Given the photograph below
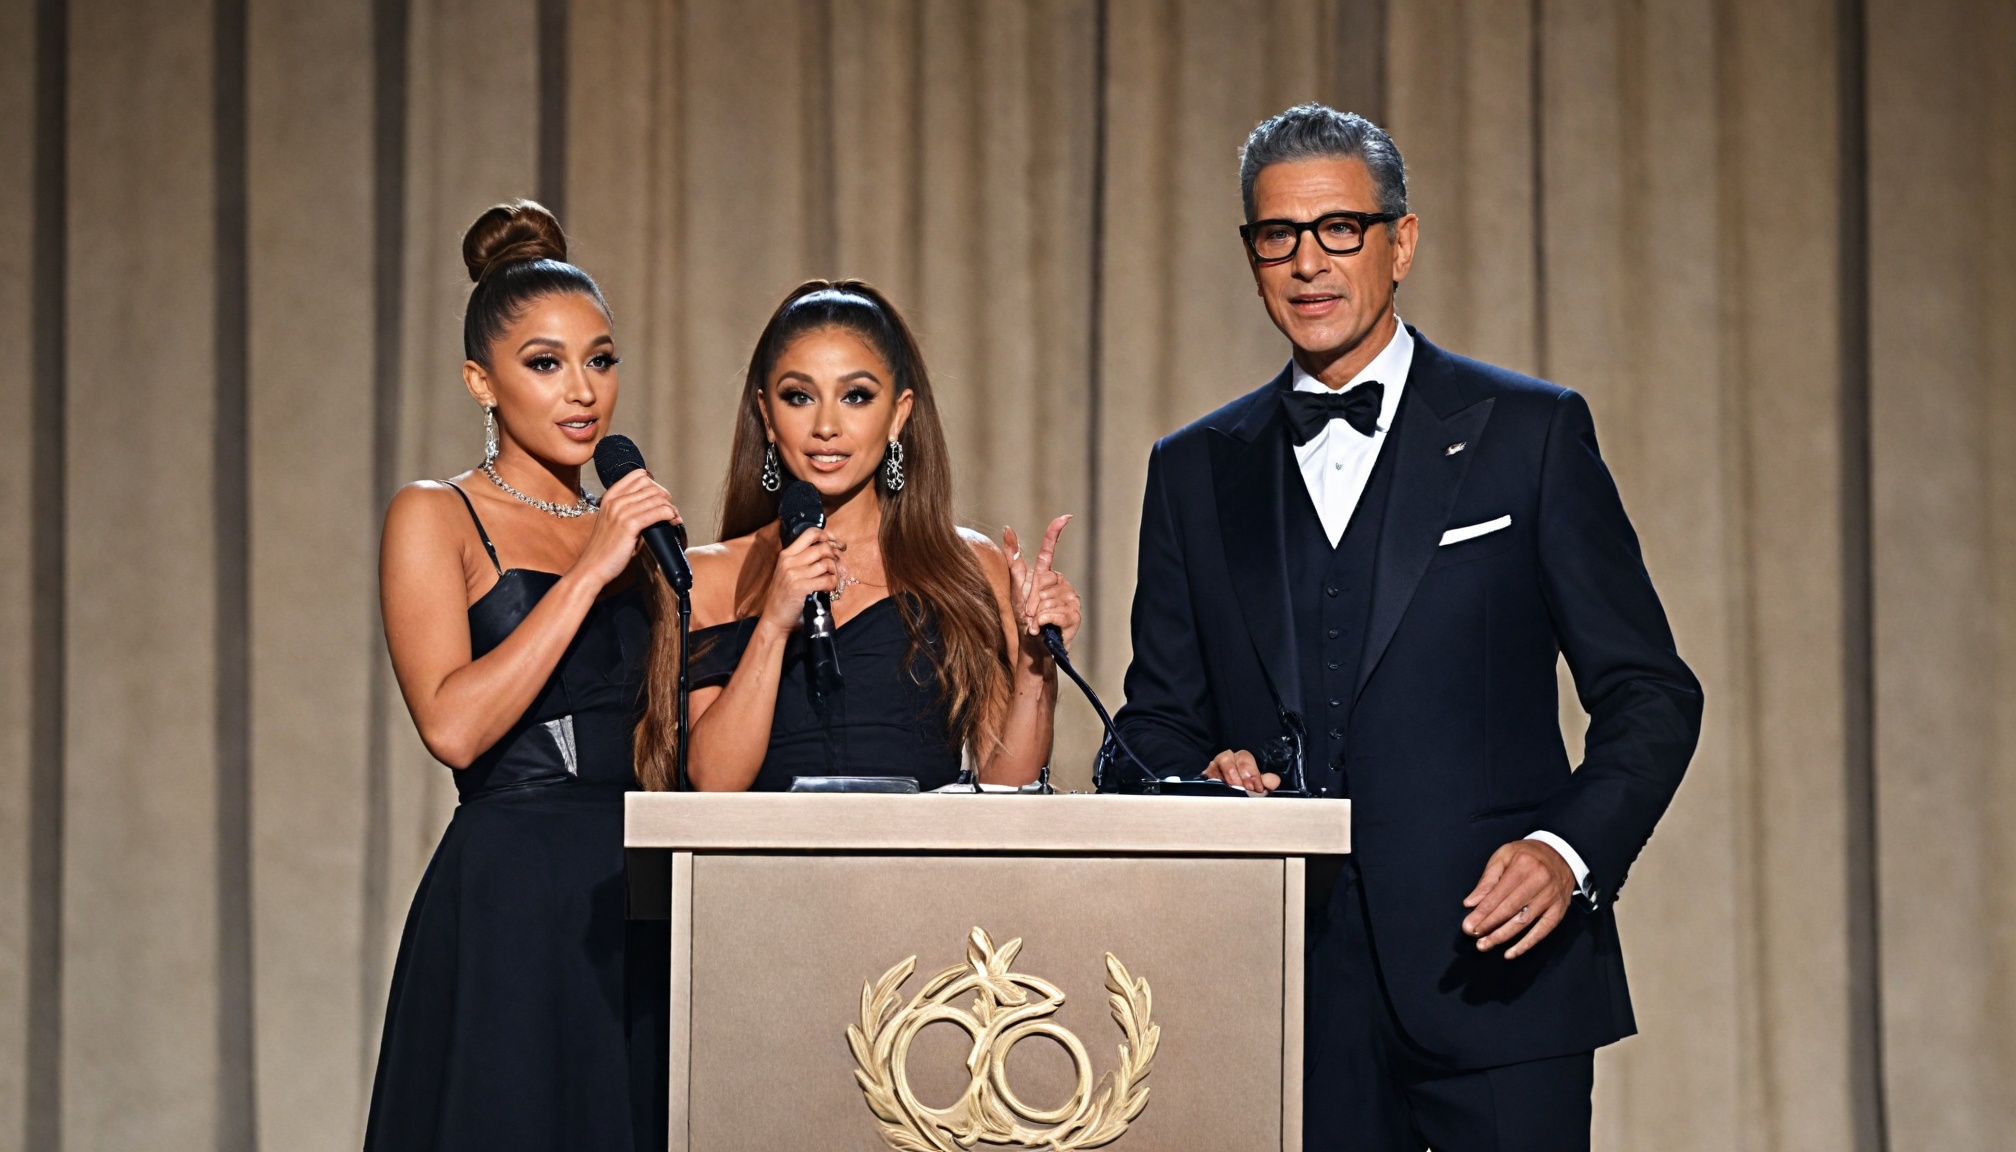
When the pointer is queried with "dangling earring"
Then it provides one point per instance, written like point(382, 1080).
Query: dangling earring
point(892, 467)
point(489, 433)
point(773, 470)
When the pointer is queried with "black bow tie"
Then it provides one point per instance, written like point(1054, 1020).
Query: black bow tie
point(1309, 412)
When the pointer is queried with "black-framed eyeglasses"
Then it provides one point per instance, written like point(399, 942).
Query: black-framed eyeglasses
point(1339, 233)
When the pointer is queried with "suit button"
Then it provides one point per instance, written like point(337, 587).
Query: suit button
point(1333, 633)
point(1332, 590)
point(1333, 665)
point(1336, 703)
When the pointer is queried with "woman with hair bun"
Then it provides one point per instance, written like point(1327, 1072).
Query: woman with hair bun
point(523, 1014)
point(938, 631)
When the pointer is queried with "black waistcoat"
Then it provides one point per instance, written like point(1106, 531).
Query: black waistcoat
point(1332, 590)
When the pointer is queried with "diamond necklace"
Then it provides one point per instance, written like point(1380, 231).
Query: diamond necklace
point(580, 507)
point(848, 579)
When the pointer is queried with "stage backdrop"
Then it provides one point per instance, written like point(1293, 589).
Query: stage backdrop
point(1771, 242)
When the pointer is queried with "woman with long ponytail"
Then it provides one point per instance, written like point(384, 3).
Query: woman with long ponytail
point(938, 629)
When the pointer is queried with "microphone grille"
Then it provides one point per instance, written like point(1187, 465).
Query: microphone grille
point(799, 508)
point(616, 457)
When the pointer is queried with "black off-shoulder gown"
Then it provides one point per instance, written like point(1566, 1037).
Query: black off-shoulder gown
point(525, 1013)
point(887, 719)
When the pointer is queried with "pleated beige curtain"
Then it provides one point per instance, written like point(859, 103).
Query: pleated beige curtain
point(206, 854)
point(1646, 203)
point(17, 606)
point(719, 155)
point(1642, 203)
point(1942, 119)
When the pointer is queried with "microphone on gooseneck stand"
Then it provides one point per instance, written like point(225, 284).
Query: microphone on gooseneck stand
point(615, 458)
point(1113, 747)
point(799, 510)
point(1116, 760)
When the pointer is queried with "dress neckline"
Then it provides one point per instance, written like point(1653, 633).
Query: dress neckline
point(837, 629)
point(507, 573)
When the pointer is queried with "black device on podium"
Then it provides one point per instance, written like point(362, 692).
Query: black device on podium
point(1117, 769)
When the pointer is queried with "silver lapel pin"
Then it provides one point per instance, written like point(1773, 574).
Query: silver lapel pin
point(1458, 446)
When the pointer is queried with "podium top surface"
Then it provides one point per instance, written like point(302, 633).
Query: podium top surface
point(964, 822)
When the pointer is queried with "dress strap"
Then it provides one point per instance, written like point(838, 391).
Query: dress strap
point(487, 546)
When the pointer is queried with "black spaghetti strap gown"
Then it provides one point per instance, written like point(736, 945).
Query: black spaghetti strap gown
point(887, 718)
point(525, 1013)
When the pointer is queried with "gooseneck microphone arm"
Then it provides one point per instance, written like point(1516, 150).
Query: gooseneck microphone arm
point(1053, 639)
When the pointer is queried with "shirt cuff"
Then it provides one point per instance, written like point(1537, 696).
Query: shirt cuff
point(1574, 860)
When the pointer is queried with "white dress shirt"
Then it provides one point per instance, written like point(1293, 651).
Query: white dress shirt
point(1337, 462)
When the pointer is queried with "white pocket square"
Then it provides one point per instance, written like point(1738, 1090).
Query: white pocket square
point(1458, 535)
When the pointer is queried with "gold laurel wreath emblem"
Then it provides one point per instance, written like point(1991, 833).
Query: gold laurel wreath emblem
point(1008, 1007)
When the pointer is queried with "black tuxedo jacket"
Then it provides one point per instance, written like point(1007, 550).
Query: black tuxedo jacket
point(1454, 747)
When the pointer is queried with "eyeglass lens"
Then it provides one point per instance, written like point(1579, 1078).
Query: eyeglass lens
point(1278, 239)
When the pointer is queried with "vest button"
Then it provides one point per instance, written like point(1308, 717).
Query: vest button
point(1333, 665)
point(1333, 633)
point(1332, 590)
point(1336, 733)
point(1336, 703)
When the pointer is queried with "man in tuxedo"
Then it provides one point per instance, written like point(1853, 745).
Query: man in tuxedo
point(1386, 547)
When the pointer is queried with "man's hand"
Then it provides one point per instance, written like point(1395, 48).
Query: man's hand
point(1241, 770)
point(1524, 893)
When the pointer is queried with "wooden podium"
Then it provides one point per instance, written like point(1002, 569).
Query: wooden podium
point(1160, 953)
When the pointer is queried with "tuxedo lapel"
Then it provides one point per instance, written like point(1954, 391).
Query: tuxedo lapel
point(1248, 461)
point(1426, 478)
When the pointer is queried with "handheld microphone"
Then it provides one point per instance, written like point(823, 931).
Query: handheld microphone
point(800, 509)
point(617, 457)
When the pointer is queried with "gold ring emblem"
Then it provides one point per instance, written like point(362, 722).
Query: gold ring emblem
point(1008, 1007)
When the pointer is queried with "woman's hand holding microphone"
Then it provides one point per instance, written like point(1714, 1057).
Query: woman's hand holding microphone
point(635, 503)
point(811, 564)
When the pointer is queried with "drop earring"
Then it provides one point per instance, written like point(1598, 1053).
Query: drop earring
point(892, 467)
point(489, 433)
point(773, 470)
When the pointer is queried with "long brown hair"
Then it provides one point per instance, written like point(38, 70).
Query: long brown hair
point(949, 611)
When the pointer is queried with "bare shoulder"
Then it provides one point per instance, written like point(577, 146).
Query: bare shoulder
point(986, 546)
point(717, 576)
point(426, 507)
point(427, 533)
point(993, 561)
point(718, 562)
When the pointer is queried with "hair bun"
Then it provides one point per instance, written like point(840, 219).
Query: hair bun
point(510, 233)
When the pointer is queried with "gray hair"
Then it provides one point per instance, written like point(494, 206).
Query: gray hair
point(1312, 131)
